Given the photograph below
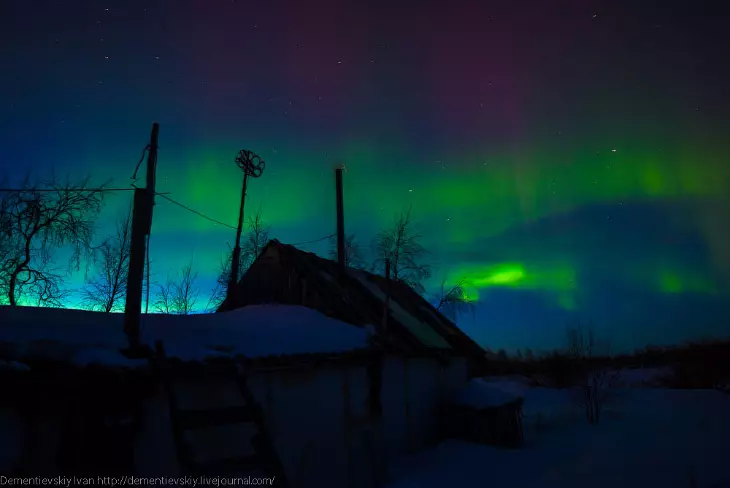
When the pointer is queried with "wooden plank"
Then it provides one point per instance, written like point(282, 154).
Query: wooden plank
point(182, 450)
point(262, 441)
point(213, 417)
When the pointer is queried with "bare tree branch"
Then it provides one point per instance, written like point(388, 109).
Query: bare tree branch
point(453, 301)
point(41, 284)
point(36, 220)
point(353, 253)
point(401, 244)
point(256, 239)
point(257, 236)
point(178, 296)
point(218, 294)
point(107, 290)
point(594, 383)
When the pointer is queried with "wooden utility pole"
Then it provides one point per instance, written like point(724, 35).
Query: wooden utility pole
point(386, 302)
point(236, 258)
point(341, 258)
point(144, 199)
point(251, 165)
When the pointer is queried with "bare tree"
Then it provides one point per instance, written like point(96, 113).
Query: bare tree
point(353, 252)
point(593, 382)
point(6, 245)
point(178, 296)
point(45, 289)
point(453, 301)
point(400, 243)
point(218, 294)
point(107, 290)
point(37, 219)
point(529, 355)
point(257, 237)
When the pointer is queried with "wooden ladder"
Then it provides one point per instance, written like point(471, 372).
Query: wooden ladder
point(264, 462)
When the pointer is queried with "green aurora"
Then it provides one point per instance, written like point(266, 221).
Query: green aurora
point(558, 164)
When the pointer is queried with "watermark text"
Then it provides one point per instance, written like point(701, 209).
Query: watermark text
point(111, 481)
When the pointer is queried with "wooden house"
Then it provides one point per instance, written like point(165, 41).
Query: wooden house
point(333, 408)
point(423, 356)
point(287, 275)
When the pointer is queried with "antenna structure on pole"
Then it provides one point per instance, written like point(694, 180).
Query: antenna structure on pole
point(252, 165)
point(250, 162)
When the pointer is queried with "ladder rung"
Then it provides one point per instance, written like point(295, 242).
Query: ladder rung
point(233, 465)
point(213, 417)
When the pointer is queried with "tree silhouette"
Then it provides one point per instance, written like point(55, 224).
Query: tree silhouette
point(38, 219)
point(256, 238)
point(593, 382)
point(353, 253)
point(502, 355)
point(453, 301)
point(218, 294)
point(178, 296)
point(529, 355)
point(107, 290)
point(400, 243)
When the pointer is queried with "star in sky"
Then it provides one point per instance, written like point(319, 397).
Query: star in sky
point(481, 107)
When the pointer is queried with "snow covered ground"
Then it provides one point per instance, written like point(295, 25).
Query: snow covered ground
point(82, 337)
point(648, 437)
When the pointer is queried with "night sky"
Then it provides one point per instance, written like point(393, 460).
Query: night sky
point(566, 158)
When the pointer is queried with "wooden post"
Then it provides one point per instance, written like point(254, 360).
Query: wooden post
point(133, 303)
point(341, 257)
point(141, 227)
point(152, 174)
point(407, 406)
point(303, 300)
point(375, 383)
point(386, 303)
point(347, 425)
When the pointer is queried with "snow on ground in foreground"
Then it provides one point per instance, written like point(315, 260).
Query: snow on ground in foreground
point(644, 376)
point(82, 337)
point(650, 437)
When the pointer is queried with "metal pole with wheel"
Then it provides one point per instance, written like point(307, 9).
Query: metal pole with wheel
point(251, 165)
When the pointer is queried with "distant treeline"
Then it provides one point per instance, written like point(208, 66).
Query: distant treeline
point(702, 364)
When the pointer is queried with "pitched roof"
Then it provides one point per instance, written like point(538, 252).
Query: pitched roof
point(359, 297)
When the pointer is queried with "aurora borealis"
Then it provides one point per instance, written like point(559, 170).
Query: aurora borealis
point(563, 158)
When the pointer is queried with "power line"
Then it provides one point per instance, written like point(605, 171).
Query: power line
point(195, 211)
point(200, 214)
point(163, 195)
point(69, 190)
point(84, 190)
point(313, 240)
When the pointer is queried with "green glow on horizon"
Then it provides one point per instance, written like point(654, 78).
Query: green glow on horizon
point(673, 282)
point(479, 194)
point(482, 194)
point(505, 275)
point(558, 281)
